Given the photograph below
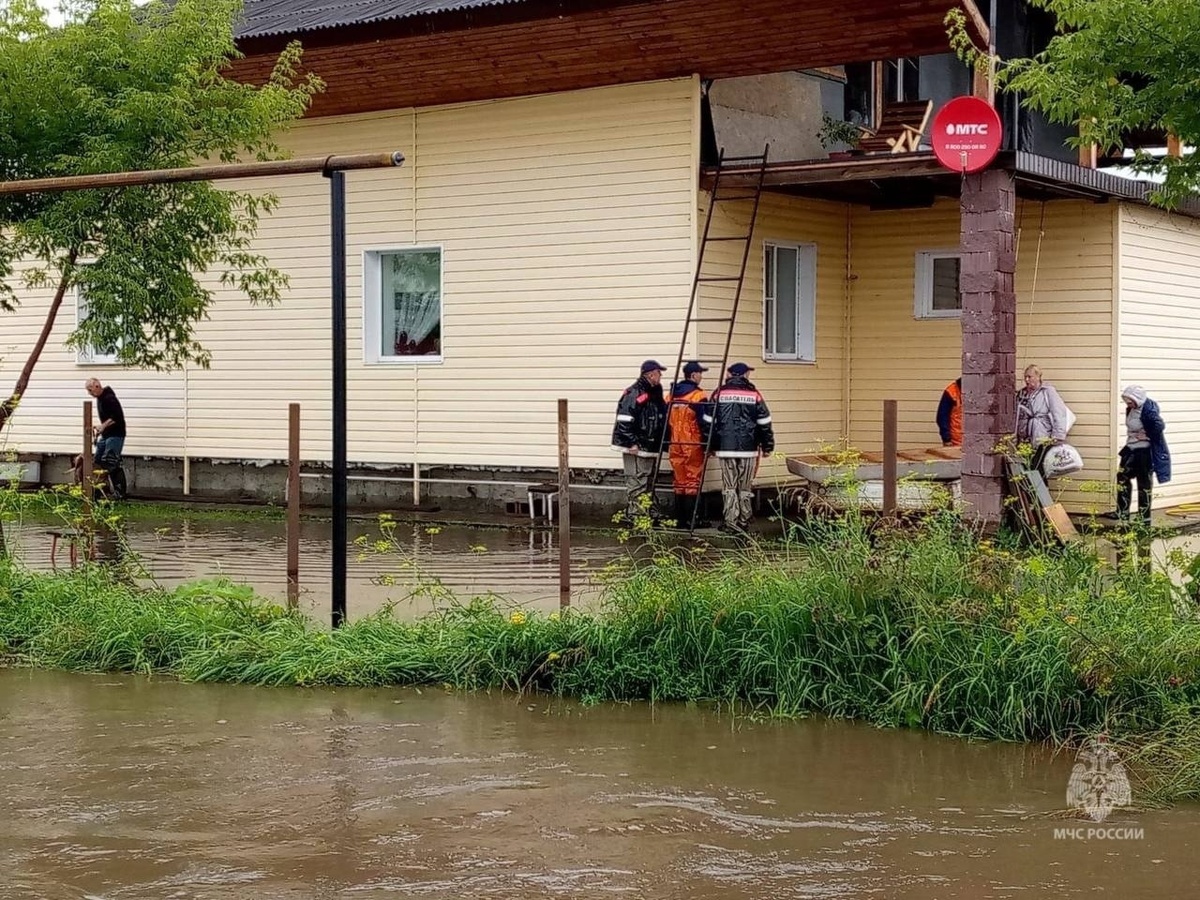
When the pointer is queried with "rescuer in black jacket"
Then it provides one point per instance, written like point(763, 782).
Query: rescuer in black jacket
point(742, 433)
point(640, 433)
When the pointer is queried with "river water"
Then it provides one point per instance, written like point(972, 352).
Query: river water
point(516, 564)
point(118, 788)
point(121, 787)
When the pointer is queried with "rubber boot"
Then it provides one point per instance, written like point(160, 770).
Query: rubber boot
point(116, 478)
point(682, 515)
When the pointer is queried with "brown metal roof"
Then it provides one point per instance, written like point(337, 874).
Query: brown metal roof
point(265, 18)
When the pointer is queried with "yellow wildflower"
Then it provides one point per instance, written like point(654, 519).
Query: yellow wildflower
point(554, 617)
point(517, 618)
point(551, 657)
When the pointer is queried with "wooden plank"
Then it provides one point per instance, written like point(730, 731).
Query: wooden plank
point(866, 169)
point(978, 24)
point(1060, 523)
point(1038, 486)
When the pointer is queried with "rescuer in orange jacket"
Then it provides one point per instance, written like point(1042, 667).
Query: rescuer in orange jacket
point(687, 441)
point(949, 415)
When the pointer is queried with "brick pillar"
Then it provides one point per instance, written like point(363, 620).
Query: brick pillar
point(989, 337)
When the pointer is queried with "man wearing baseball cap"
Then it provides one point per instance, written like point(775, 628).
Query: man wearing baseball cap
point(640, 433)
point(742, 433)
point(687, 441)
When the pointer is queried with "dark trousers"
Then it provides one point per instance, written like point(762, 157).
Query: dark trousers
point(1136, 465)
point(1039, 457)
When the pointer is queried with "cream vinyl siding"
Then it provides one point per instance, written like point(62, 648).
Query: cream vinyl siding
point(1160, 335)
point(806, 399)
point(1066, 326)
point(567, 227)
point(50, 416)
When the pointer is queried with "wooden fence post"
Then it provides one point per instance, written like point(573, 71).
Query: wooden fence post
point(293, 514)
point(564, 509)
point(890, 448)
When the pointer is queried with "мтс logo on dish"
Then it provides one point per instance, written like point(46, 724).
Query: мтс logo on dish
point(961, 129)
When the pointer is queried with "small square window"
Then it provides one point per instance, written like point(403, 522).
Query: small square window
point(402, 305)
point(91, 356)
point(789, 302)
point(937, 284)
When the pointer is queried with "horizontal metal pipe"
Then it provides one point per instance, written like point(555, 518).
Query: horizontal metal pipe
point(305, 166)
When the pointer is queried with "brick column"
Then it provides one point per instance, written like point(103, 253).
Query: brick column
point(989, 337)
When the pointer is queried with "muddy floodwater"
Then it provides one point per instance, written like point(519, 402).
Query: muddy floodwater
point(119, 788)
point(516, 564)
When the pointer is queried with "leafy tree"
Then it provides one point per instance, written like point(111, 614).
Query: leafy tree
point(123, 87)
point(1116, 66)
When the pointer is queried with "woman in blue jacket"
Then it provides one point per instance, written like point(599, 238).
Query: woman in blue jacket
point(1145, 452)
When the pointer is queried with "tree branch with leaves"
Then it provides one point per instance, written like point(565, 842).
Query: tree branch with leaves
point(1116, 66)
point(122, 87)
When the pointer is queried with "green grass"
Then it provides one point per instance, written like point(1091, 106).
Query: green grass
point(917, 627)
point(63, 503)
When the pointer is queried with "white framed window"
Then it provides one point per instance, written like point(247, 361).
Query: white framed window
point(789, 302)
point(937, 284)
point(402, 305)
point(91, 356)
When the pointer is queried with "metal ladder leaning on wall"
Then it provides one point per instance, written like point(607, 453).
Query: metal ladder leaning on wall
point(752, 171)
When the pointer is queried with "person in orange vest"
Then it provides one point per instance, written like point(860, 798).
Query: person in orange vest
point(949, 415)
point(687, 442)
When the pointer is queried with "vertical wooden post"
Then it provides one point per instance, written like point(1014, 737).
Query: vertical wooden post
point(416, 461)
point(1089, 156)
point(293, 514)
point(87, 477)
point(890, 448)
point(877, 76)
point(564, 509)
point(1174, 146)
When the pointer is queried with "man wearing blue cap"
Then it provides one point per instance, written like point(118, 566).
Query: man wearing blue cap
point(742, 433)
point(640, 433)
point(687, 441)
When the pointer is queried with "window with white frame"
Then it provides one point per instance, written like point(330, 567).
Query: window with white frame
point(402, 305)
point(937, 284)
point(91, 356)
point(789, 302)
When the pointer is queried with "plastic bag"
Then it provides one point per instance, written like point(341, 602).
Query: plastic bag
point(1061, 459)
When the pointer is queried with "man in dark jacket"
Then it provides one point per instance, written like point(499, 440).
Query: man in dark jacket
point(640, 433)
point(742, 433)
point(109, 434)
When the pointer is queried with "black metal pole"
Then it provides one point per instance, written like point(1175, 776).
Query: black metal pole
point(337, 260)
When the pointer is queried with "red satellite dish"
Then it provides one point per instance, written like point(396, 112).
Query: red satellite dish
point(966, 134)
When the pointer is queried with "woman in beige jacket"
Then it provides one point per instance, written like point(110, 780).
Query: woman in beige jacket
point(1042, 417)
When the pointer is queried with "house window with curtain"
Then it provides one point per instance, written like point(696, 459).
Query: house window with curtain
point(92, 356)
point(402, 306)
point(789, 302)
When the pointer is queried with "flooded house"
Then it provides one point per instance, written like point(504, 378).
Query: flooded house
point(552, 221)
